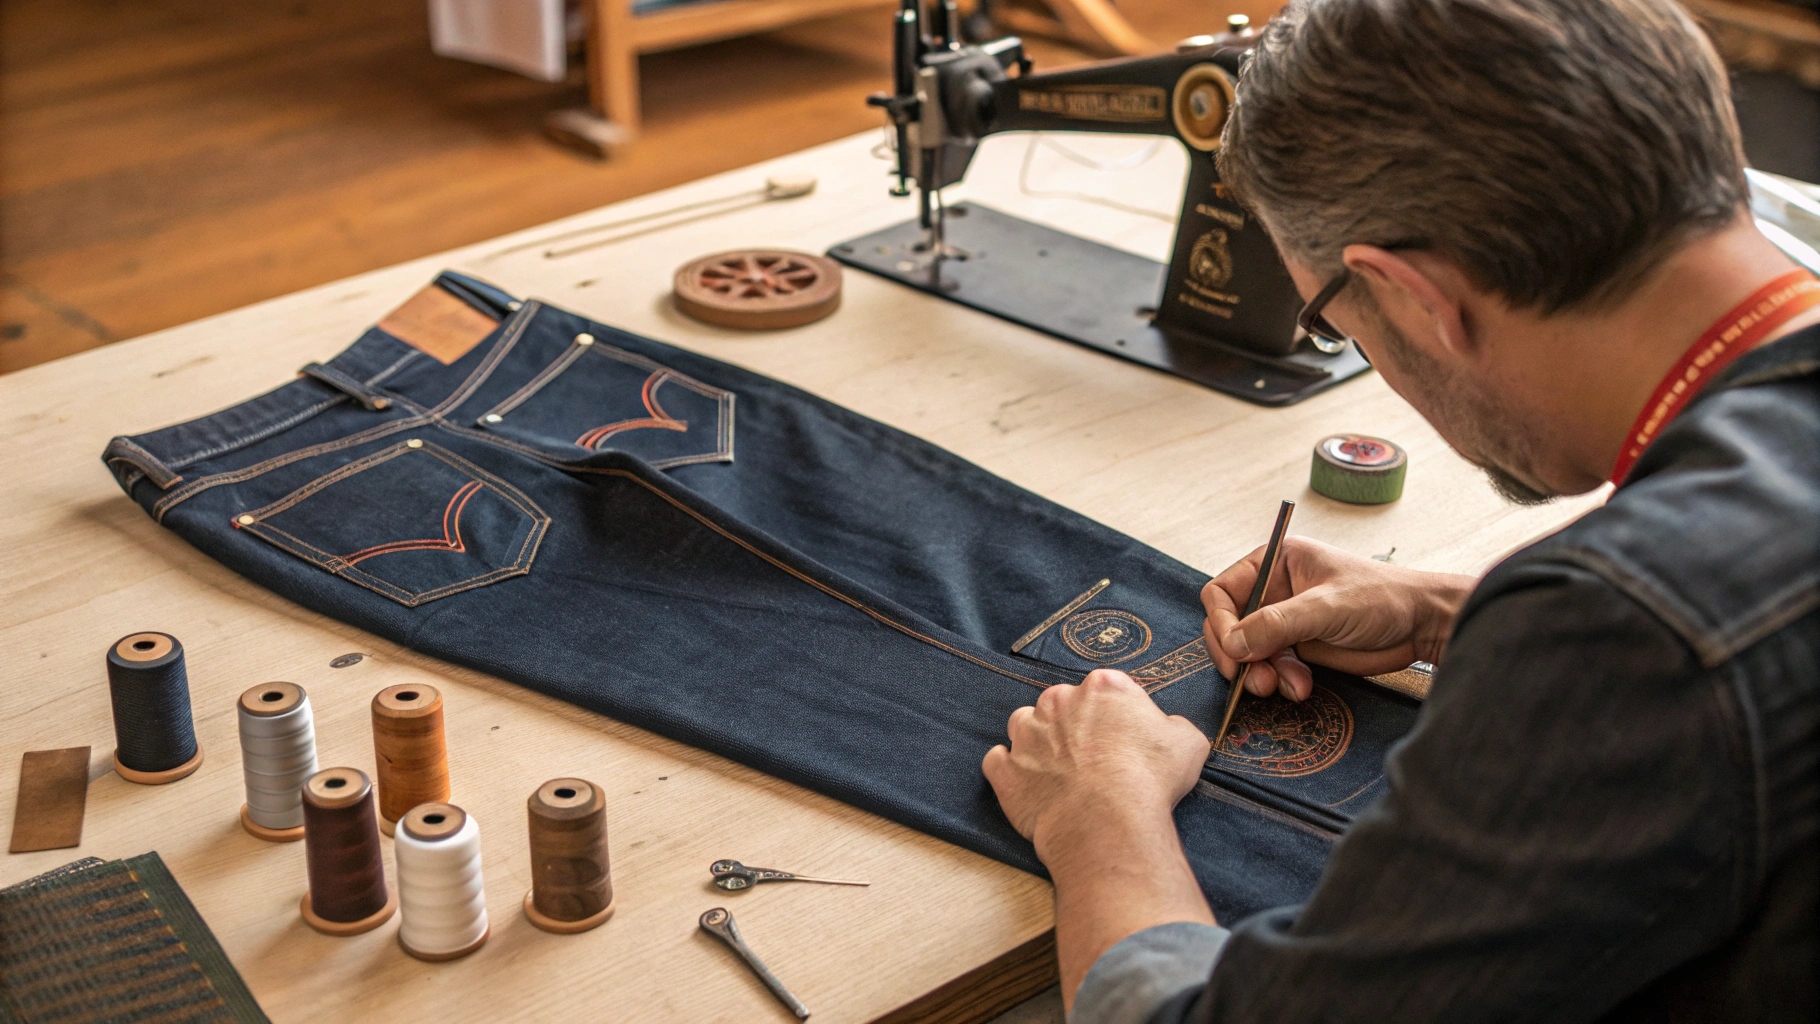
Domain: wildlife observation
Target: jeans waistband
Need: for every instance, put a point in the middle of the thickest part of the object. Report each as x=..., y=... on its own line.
x=357, y=375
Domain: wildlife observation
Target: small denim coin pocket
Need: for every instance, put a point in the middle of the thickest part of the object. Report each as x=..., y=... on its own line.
x=413, y=521
x=595, y=397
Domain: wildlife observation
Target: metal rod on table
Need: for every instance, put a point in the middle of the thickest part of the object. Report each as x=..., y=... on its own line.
x=1265, y=568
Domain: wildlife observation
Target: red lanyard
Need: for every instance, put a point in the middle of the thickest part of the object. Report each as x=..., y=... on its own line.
x=1734, y=334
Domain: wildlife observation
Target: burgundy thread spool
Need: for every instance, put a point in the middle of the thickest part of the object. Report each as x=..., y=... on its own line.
x=571, y=879
x=347, y=893
x=409, y=749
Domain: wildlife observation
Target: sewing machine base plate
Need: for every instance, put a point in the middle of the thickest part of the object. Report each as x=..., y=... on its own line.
x=1084, y=292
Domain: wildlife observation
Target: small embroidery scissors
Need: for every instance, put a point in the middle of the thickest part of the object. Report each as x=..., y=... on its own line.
x=733, y=876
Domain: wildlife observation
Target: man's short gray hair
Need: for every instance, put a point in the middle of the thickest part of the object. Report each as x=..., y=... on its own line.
x=1557, y=150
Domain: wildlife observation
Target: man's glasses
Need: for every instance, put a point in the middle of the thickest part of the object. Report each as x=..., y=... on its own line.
x=1325, y=335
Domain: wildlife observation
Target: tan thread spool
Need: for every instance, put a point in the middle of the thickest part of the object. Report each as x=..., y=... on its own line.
x=571, y=879
x=347, y=893
x=412, y=756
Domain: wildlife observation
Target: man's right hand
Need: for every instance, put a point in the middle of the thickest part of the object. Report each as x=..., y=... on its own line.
x=1332, y=608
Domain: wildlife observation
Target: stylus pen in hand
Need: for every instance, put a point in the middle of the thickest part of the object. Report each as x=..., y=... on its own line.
x=1256, y=601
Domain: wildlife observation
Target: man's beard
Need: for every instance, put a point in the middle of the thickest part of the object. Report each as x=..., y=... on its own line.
x=1492, y=437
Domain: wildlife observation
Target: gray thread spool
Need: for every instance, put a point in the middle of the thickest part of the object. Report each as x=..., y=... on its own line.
x=277, y=755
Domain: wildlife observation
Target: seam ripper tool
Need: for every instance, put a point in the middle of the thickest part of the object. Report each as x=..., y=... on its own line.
x=733, y=876
x=1266, y=568
x=719, y=923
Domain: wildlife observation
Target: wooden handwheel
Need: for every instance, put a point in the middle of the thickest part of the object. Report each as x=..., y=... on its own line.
x=758, y=289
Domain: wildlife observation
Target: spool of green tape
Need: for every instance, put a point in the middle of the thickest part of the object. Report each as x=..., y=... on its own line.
x=1358, y=469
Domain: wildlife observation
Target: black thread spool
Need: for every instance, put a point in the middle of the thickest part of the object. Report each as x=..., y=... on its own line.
x=154, y=735
x=347, y=893
x=571, y=878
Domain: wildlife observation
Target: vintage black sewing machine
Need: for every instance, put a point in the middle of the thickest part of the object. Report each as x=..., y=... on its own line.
x=1222, y=312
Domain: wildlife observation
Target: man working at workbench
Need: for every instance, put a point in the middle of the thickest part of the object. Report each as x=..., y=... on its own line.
x=1528, y=213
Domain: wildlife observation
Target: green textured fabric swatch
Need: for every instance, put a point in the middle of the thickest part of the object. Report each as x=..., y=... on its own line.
x=113, y=941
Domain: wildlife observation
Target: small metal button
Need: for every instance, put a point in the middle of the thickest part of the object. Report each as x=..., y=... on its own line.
x=584, y=339
x=514, y=304
x=413, y=443
x=493, y=417
x=246, y=520
x=382, y=403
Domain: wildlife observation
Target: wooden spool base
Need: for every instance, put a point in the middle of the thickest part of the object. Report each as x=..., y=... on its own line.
x=550, y=924
x=758, y=289
x=437, y=958
x=158, y=778
x=339, y=928
x=389, y=827
x=270, y=835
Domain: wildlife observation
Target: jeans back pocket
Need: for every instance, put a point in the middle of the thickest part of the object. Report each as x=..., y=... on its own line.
x=595, y=397
x=414, y=522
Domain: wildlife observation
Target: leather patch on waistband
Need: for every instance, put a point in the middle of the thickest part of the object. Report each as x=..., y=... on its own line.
x=438, y=324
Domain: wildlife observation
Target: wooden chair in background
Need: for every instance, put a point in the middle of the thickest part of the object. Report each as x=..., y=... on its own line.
x=620, y=30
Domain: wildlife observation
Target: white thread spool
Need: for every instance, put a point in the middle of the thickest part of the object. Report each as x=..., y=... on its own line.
x=440, y=892
x=277, y=755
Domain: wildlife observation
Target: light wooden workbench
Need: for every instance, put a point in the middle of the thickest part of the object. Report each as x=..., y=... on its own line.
x=1193, y=473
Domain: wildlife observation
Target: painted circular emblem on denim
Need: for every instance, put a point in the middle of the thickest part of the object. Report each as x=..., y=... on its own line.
x=1286, y=738
x=1105, y=635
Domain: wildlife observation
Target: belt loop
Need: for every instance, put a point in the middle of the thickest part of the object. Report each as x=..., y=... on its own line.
x=129, y=463
x=369, y=399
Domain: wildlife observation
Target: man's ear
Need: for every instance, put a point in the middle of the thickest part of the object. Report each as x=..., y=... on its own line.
x=1423, y=295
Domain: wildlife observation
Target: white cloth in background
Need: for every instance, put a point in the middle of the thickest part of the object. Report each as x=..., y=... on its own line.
x=526, y=36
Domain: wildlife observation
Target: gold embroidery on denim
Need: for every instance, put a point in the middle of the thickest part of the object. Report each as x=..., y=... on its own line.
x=1284, y=738
x=1173, y=667
x=1107, y=636
x=1060, y=613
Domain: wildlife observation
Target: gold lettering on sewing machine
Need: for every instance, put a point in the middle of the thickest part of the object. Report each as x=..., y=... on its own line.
x=1235, y=221
x=1097, y=102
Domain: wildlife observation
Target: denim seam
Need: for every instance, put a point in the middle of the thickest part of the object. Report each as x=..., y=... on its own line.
x=259, y=435
x=554, y=462
x=316, y=556
x=824, y=588
x=1712, y=646
x=1207, y=788
x=386, y=373
x=132, y=453
x=277, y=461
x=521, y=319
x=549, y=373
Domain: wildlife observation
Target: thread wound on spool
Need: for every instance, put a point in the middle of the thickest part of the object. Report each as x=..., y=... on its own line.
x=571, y=878
x=1358, y=469
x=154, y=733
x=277, y=755
x=408, y=744
x=441, y=894
x=347, y=891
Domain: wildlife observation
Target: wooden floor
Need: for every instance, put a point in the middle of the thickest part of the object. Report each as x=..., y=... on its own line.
x=163, y=160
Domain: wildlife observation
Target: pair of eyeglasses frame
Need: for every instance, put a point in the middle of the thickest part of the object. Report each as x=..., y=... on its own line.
x=1324, y=334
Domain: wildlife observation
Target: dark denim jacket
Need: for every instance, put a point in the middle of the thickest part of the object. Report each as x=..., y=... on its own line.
x=1608, y=807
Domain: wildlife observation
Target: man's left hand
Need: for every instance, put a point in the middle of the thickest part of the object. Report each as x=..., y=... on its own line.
x=1089, y=757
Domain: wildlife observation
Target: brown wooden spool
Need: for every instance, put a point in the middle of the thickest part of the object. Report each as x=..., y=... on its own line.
x=409, y=748
x=758, y=289
x=347, y=893
x=571, y=879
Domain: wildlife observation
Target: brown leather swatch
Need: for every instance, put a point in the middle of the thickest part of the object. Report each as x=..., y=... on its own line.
x=438, y=324
x=53, y=794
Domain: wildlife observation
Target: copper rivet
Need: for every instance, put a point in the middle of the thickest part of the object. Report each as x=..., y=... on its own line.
x=382, y=403
x=413, y=443
x=246, y=520
x=584, y=339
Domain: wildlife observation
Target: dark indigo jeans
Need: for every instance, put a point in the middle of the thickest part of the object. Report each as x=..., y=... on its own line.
x=715, y=556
